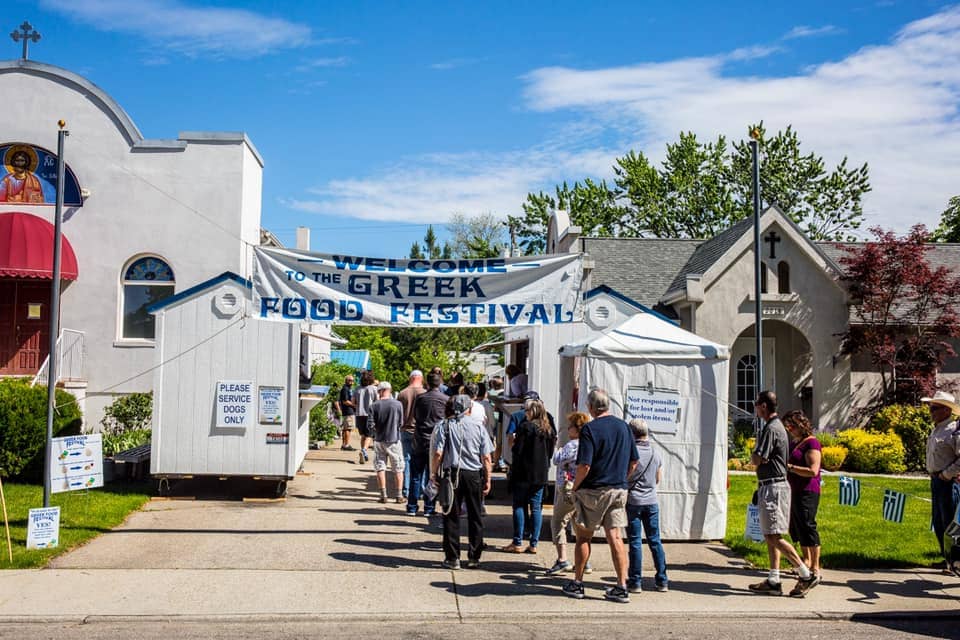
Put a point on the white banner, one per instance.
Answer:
(294, 286)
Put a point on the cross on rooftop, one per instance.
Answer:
(26, 33)
(773, 239)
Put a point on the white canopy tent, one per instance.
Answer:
(678, 381)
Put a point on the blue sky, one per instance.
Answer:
(378, 118)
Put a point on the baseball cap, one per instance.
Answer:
(384, 386)
(461, 404)
(416, 373)
(530, 395)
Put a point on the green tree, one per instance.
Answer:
(432, 249)
(949, 228)
(480, 236)
(702, 188)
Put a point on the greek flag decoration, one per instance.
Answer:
(893, 502)
(849, 491)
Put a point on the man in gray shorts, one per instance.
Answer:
(605, 458)
(773, 499)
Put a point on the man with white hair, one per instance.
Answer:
(605, 459)
(643, 511)
(943, 461)
(385, 418)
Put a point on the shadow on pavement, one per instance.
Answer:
(872, 589)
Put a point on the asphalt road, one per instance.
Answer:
(647, 628)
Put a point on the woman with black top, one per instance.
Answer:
(532, 451)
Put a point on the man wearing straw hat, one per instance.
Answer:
(943, 460)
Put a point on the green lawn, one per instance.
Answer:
(851, 537)
(82, 517)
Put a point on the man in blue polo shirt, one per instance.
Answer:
(605, 458)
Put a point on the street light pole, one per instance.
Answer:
(54, 312)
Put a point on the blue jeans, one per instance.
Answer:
(645, 519)
(419, 474)
(406, 441)
(524, 495)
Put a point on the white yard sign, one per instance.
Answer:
(43, 528)
(235, 403)
(76, 462)
(659, 407)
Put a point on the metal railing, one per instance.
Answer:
(70, 356)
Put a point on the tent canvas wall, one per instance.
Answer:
(649, 352)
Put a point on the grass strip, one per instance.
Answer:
(850, 537)
(83, 515)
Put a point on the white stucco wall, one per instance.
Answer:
(816, 308)
(193, 202)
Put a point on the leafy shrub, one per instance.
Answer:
(734, 464)
(740, 432)
(23, 426)
(873, 452)
(114, 443)
(912, 424)
(128, 413)
(832, 457)
(827, 439)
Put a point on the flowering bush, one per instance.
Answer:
(912, 424)
(832, 457)
(870, 452)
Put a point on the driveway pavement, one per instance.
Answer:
(331, 551)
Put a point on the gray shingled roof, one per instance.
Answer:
(708, 252)
(639, 268)
(941, 254)
(647, 269)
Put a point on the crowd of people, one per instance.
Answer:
(440, 441)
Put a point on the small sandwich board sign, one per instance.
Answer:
(43, 528)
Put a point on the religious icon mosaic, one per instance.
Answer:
(30, 177)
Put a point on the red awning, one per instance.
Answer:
(26, 248)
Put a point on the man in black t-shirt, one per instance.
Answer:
(348, 413)
(428, 411)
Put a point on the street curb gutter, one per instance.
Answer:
(569, 617)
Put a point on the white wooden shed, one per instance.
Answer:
(226, 397)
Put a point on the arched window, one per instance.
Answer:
(746, 382)
(145, 281)
(783, 277)
(763, 278)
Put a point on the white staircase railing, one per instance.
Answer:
(70, 353)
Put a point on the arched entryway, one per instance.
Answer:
(787, 365)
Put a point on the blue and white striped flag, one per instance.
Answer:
(893, 502)
(849, 491)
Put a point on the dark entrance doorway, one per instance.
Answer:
(24, 325)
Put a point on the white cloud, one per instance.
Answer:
(455, 63)
(322, 63)
(186, 29)
(804, 31)
(894, 106)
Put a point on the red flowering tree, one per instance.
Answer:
(904, 311)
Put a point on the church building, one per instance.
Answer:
(708, 288)
(142, 219)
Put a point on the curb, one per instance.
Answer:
(493, 617)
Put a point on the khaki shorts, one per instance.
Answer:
(605, 507)
(348, 422)
(384, 453)
(773, 502)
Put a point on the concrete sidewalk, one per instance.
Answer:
(332, 551)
